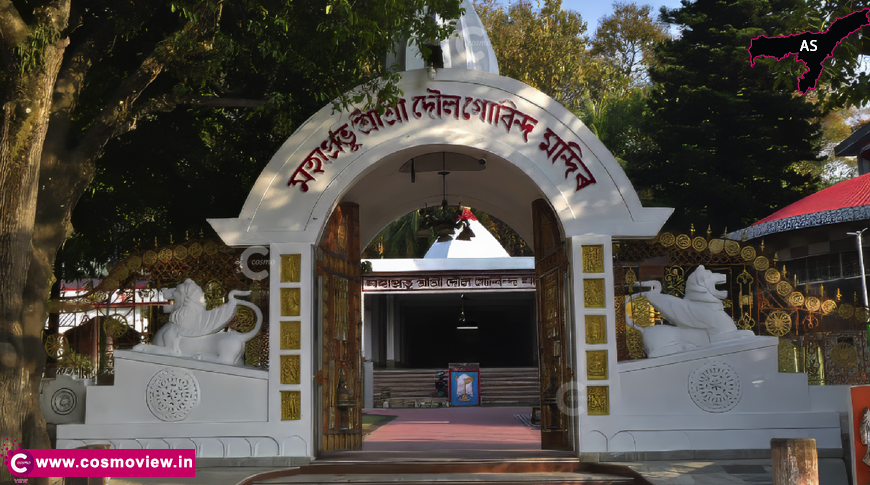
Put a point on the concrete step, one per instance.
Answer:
(441, 467)
(453, 478)
(498, 385)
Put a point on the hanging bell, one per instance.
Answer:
(466, 234)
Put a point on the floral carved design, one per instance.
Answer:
(172, 394)
(715, 387)
(63, 401)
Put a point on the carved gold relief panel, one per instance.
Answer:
(598, 399)
(596, 329)
(291, 405)
(596, 365)
(593, 293)
(291, 338)
(290, 298)
(291, 265)
(593, 259)
(290, 368)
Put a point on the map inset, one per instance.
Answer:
(811, 48)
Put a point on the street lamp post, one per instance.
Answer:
(863, 279)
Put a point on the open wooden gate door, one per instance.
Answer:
(551, 271)
(340, 377)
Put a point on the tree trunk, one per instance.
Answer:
(22, 358)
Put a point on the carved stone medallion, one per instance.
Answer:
(172, 394)
(63, 401)
(715, 387)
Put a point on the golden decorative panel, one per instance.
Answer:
(784, 288)
(593, 259)
(795, 298)
(596, 329)
(761, 263)
(716, 246)
(291, 265)
(640, 312)
(630, 277)
(844, 355)
(846, 310)
(291, 405)
(772, 276)
(195, 250)
(699, 244)
(732, 247)
(598, 400)
(593, 293)
(788, 357)
(164, 255)
(290, 298)
(683, 241)
(290, 369)
(596, 364)
(748, 253)
(291, 335)
(634, 343)
(778, 323)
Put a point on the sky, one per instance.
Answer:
(593, 10)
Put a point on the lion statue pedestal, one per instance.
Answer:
(697, 320)
(195, 332)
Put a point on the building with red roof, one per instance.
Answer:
(811, 237)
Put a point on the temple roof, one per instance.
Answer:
(468, 48)
(846, 201)
(482, 245)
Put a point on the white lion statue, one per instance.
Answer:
(195, 332)
(698, 319)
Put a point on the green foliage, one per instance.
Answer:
(617, 123)
(625, 41)
(30, 54)
(541, 45)
(181, 165)
(723, 140)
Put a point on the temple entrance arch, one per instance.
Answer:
(533, 148)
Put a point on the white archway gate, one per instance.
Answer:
(535, 149)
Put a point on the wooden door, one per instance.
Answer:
(551, 276)
(340, 375)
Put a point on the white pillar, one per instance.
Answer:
(392, 336)
(592, 272)
(368, 366)
(291, 329)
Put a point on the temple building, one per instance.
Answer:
(466, 300)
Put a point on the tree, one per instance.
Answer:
(724, 139)
(541, 46)
(618, 83)
(80, 73)
(617, 122)
(625, 41)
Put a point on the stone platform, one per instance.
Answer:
(726, 396)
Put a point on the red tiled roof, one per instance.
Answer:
(854, 192)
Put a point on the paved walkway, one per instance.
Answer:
(454, 428)
(441, 431)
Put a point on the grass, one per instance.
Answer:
(371, 422)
